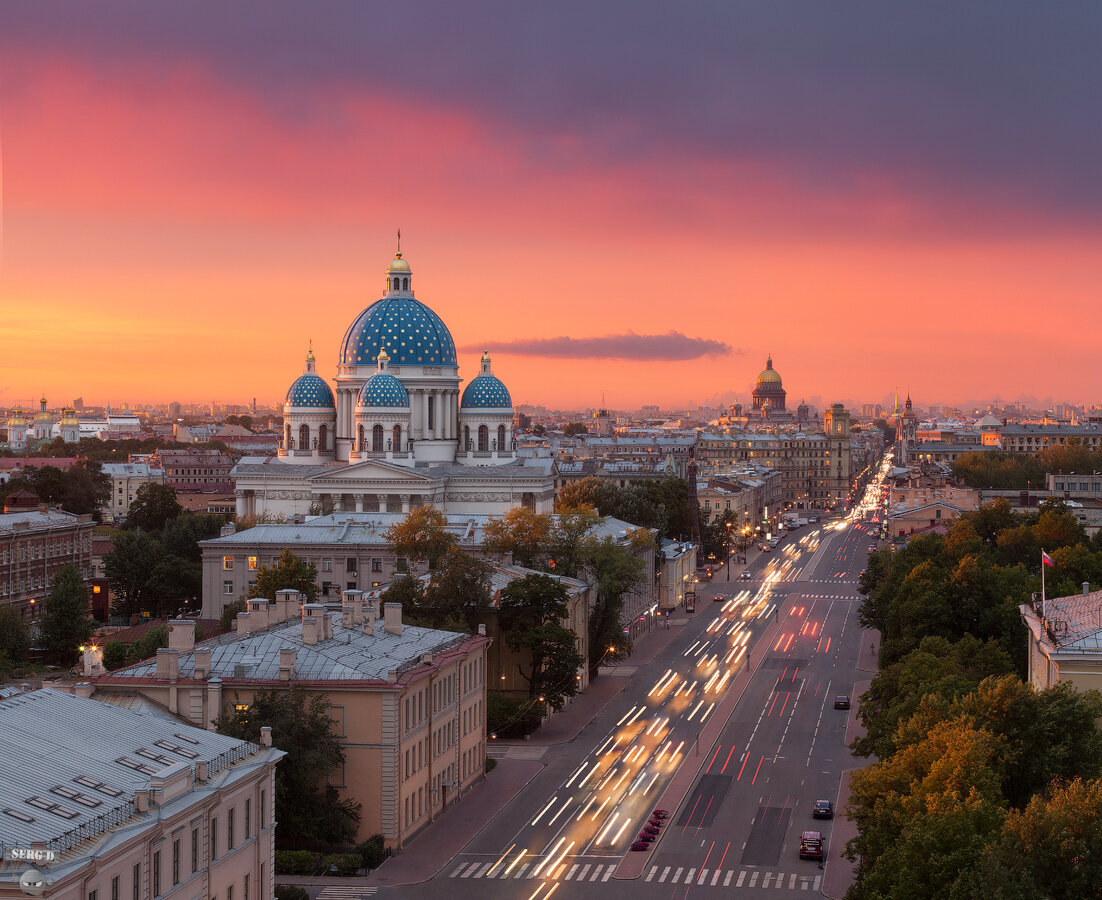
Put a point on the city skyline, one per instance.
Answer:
(639, 207)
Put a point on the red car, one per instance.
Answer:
(649, 838)
(640, 845)
(650, 829)
(659, 814)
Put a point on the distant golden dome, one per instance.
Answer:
(398, 264)
(769, 375)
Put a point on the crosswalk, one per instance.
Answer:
(828, 597)
(567, 871)
(347, 892)
(737, 878)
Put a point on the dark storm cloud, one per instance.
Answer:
(640, 347)
(982, 102)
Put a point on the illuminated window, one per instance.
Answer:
(252, 562)
(227, 562)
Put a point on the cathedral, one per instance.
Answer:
(394, 430)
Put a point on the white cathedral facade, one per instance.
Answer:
(396, 432)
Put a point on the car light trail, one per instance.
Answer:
(542, 811)
(631, 721)
(621, 722)
(604, 803)
(592, 800)
(616, 837)
(561, 811)
(501, 860)
(520, 856)
(605, 830)
(707, 713)
(693, 713)
(547, 859)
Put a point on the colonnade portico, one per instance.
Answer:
(375, 502)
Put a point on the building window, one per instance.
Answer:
(137, 881)
(376, 565)
(92, 895)
(157, 874)
(248, 818)
(350, 565)
(194, 850)
(263, 809)
(327, 565)
(377, 439)
(483, 438)
(252, 563)
(115, 888)
(227, 563)
(227, 587)
(432, 413)
(229, 830)
(213, 839)
(176, 862)
(245, 888)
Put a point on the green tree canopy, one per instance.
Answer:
(533, 609)
(129, 567)
(290, 571)
(615, 569)
(81, 489)
(15, 639)
(309, 810)
(152, 507)
(66, 623)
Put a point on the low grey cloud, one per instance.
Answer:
(642, 347)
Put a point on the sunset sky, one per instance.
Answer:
(635, 200)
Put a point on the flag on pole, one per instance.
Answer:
(1047, 560)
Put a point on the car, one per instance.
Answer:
(718, 598)
(660, 814)
(649, 838)
(765, 548)
(640, 845)
(747, 575)
(861, 574)
(657, 823)
(841, 702)
(811, 845)
(650, 829)
(872, 548)
(823, 809)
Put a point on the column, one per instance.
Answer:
(240, 502)
(359, 498)
(383, 505)
(336, 498)
(405, 503)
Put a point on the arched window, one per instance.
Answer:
(377, 439)
(289, 443)
(501, 437)
(405, 284)
(467, 437)
(395, 284)
(323, 437)
(304, 437)
(483, 438)
(397, 437)
(360, 438)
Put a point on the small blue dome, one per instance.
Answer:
(383, 389)
(310, 390)
(413, 334)
(486, 392)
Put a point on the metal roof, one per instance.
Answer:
(37, 519)
(350, 655)
(69, 766)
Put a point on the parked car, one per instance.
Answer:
(660, 814)
(645, 836)
(640, 845)
(811, 845)
(823, 809)
(841, 702)
(650, 829)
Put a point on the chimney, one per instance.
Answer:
(244, 624)
(482, 629)
(1086, 588)
(286, 604)
(266, 736)
(368, 616)
(287, 659)
(351, 601)
(392, 618)
(168, 664)
(258, 609)
(181, 635)
(214, 702)
(84, 689)
(228, 529)
(346, 617)
(310, 631)
(141, 801)
(201, 664)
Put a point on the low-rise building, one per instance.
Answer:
(195, 470)
(34, 545)
(126, 478)
(676, 574)
(121, 804)
(408, 704)
(1033, 438)
(1065, 640)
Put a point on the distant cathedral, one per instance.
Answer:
(769, 394)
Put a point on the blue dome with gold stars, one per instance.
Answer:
(310, 390)
(383, 390)
(486, 392)
(413, 334)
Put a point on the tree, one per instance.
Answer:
(533, 609)
(614, 569)
(421, 535)
(568, 534)
(574, 428)
(153, 506)
(458, 587)
(309, 810)
(15, 639)
(521, 532)
(289, 572)
(81, 489)
(229, 614)
(181, 535)
(66, 624)
(129, 567)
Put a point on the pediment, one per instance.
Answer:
(370, 470)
